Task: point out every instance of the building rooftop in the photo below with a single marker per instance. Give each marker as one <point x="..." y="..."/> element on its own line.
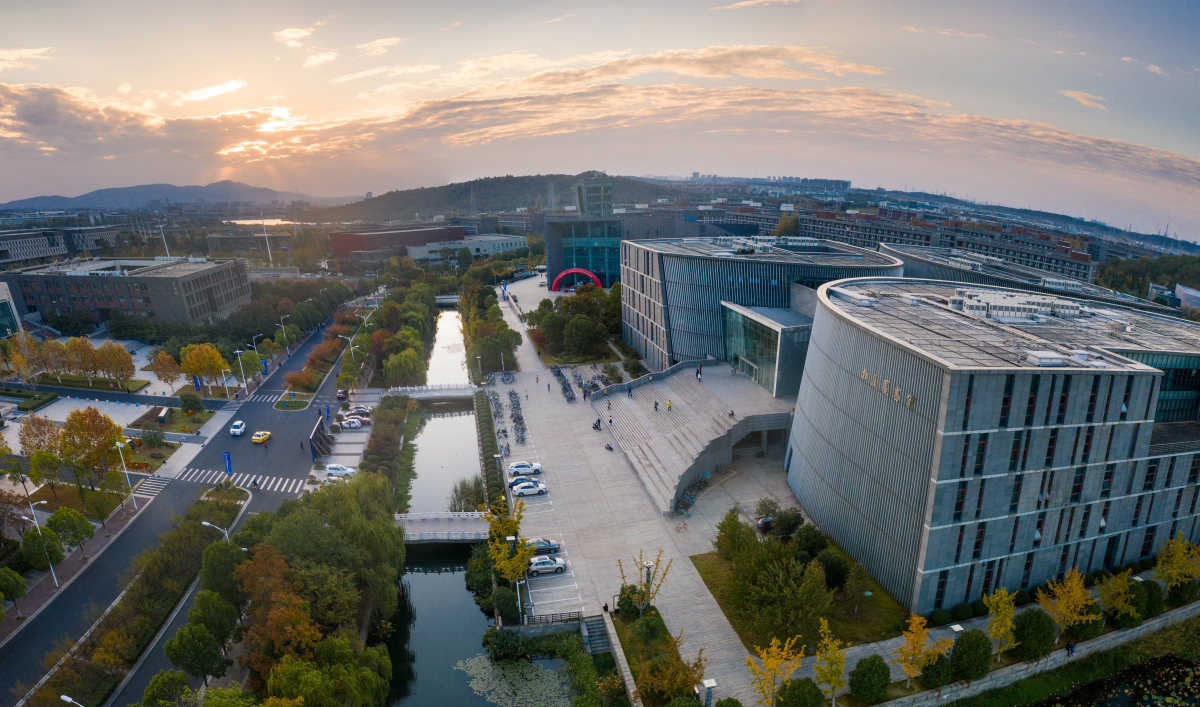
<point x="798" y="251"/>
<point x="978" y="326"/>
<point x="774" y="317"/>
<point x="140" y="267"/>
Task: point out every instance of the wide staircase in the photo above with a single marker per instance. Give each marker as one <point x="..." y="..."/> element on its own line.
<point x="663" y="446"/>
<point x="597" y="635"/>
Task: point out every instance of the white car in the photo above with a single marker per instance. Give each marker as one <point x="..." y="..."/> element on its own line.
<point x="524" y="468"/>
<point x="362" y="421"/>
<point x="338" y="470"/>
<point x="237" y="429"/>
<point x="351" y="424"/>
<point x="530" y="488"/>
<point x="544" y="564"/>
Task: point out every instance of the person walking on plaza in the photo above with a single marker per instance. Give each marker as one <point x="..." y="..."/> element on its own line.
<point x="655" y="406"/>
<point x="668" y="406"/>
<point x="610" y="405"/>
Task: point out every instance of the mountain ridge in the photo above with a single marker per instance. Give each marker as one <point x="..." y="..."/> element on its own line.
<point x="137" y="196"/>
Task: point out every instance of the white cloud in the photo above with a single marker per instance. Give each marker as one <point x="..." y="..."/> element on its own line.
<point x="291" y="36"/>
<point x="203" y="94"/>
<point x="753" y="3"/>
<point x="452" y="25"/>
<point x="319" y="58"/>
<point x="1127" y="59"/>
<point x="557" y="19"/>
<point x="20" y="58"/>
<point x="387" y="70"/>
<point x="1155" y="69"/>
<point x="124" y="89"/>
<point x="378" y="47"/>
<point x="1084" y="98"/>
<point x="945" y="32"/>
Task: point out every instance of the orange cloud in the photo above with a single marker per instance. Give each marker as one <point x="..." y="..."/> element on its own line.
<point x="1089" y="100"/>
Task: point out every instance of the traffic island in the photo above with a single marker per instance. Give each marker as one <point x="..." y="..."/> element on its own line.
<point x="292" y="400"/>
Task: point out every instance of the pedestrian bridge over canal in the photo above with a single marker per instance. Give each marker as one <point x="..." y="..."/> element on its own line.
<point x="448" y="527"/>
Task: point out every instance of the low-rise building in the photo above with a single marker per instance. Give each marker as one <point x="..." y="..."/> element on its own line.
<point x="481" y="246"/>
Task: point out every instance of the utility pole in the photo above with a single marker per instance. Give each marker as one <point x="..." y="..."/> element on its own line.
<point x="164" y="240"/>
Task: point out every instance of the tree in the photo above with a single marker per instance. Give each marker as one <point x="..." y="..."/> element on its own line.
<point x="89" y="439"/>
<point x="971" y="655"/>
<point x="39" y="433"/>
<point x="43" y="470"/>
<point x="788" y="227"/>
<point x="1068" y="602"/>
<point x="937" y="674"/>
<point x="830" y="668"/>
<point x="166" y="368"/>
<point x="649" y="579"/>
<point x="195" y="650"/>
<point x="856" y="583"/>
<point x="916" y="652"/>
<point x="870" y="679"/>
<point x="217" y="571"/>
<point x="733" y="536"/>
<point x="72" y="527"/>
<point x="215" y="614"/>
<point x="54" y="358"/>
<point x="814" y="600"/>
<point x="41" y="548"/>
<point x="1116" y="596"/>
<point x="114" y="650"/>
<point x="12" y="507"/>
<point x="168" y="688"/>
<point x="1001" y="606"/>
<point x="19" y="365"/>
<point x="115" y="362"/>
<point x="775" y="664"/>
<point x="404" y="368"/>
<point x="12" y="467"/>
<point x="836" y="568"/>
<point x="189" y="402"/>
<point x="81" y="357"/>
<point x="668" y="675"/>
<point x="581" y="336"/>
<point x="552" y="326"/>
<point x="1178" y="562"/>
<point x="800" y="693"/>
<point x="202" y="361"/>
<point x="12" y="586"/>
<point x="1034" y="631"/>
<point x="510" y="560"/>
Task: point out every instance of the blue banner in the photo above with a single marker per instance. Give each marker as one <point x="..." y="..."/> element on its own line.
<point x="196" y="382"/>
<point x="228" y="465"/>
<point x="263" y="361"/>
<point x="327" y="414"/>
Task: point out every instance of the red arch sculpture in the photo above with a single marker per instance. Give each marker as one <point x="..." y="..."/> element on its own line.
<point x="575" y="271"/>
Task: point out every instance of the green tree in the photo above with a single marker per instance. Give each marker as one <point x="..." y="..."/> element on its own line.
<point x="857" y="582"/>
<point x="552" y="326"/>
<point x="216" y="571"/>
<point x="581" y="336"/>
<point x="404" y="368"/>
<point x="464" y="256"/>
<point x="800" y="693"/>
<point x="937" y="674"/>
<point x="233" y="696"/>
<point x="870" y="679"/>
<point x="190" y="402"/>
<point x="196" y="651"/>
<point x="733" y="536"/>
<point x="37" y="545"/>
<point x="971" y="655"/>
<point x="43" y="470"/>
<point x="814" y="600"/>
<point x="837" y="567"/>
<point x="12" y="586"/>
<point x="168" y="688"/>
<point x="72" y="527"/>
<point x="215" y="614"/>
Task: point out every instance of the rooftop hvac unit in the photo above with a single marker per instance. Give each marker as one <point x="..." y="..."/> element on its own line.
<point x="1045" y="358"/>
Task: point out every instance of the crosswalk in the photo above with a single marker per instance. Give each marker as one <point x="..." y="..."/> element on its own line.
<point x="265" y="397"/>
<point x="151" y="486"/>
<point x="265" y="483"/>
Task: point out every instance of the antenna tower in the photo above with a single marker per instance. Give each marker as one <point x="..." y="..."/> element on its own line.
<point x="474" y="206"/>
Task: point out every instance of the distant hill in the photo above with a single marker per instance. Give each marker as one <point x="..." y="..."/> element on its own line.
<point x="491" y="194"/>
<point x="138" y="196"/>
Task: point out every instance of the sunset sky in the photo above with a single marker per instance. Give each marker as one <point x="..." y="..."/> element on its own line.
<point x="1086" y="108"/>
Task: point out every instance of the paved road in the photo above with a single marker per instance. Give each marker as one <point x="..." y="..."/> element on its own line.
<point x="110" y="396"/>
<point x="99" y="584"/>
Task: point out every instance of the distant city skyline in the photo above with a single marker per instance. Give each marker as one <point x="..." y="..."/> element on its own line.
<point x="1083" y="108"/>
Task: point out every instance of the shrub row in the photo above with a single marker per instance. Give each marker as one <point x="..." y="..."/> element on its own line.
<point x="487" y="446"/>
<point x="396" y="419"/>
<point x="31" y="404"/>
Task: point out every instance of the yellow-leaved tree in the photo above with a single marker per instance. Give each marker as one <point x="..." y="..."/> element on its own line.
<point x="917" y="653"/>
<point x="1001" y="606"/>
<point x="1178" y="562"/>
<point x="648" y="580"/>
<point x="509" y="558"/>
<point x="1068" y="602"/>
<point x="1116" y="596"/>
<point x="830" y="668"/>
<point x="775" y="664"/>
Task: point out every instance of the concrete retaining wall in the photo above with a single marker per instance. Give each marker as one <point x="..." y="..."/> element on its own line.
<point x="548" y="629"/>
<point x="622" y="664"/>
<point x="1020" y="671"/>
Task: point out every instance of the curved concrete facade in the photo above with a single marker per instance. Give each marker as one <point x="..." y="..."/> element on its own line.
<point x="953" y="444"/>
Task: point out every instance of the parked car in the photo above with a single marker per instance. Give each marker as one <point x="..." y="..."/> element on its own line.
<point x="521" y="480"/>
<point x="544" y="564"/>
<point x="343" y="394"/>
<point x="339" y="470"/>
<point x="359" y="411"/>
<point x="542" y="546"/>
<point x="529" y="488"/>
<point x="362" y="421"/>
<point x="523" y="467"/>
<point x="351" y="424"/>
<point x="260" y="437"/>
<point x="237" y="429"/>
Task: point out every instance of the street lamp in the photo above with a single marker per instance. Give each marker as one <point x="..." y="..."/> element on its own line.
<point x="43" y="539"/>
<point x="120" y="445"/>
<point x="283" y="331"/>
<point x="479" y="361"/>
<point x="217" y="527"/>
<point x="254" y="344"/>
<point x="68" y="700"/>
<point x="225" y="380"/>
<point x="241" y="367"/>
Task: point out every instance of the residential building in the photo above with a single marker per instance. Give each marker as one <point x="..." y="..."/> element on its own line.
<point x="481" y="246"/>
<point x="594" y="196"/>
<point x="167" y="289"/>
<point x="958" y="438"/>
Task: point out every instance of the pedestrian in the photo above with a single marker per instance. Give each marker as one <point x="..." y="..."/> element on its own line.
<point x="547" y="387"/>
<point x="610" y="422"/>
<point x="606" y="607"/>
<point x="668" y="406"/>
<point x="610" y="405"/>
<point x="655" y="406"/>
<point x="629" y="391"/>
<point x="302" y="445"/>
<point x="699" y="377"/>
<point x="538" y="379"/>
<point x="527" y="395"/>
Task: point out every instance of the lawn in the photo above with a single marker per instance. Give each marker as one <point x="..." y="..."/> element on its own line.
<point x="288" y="402"/>
<point x="67" y="496"/>
<point x="606" y="356"/>
<point x="638" y="652"/>
<point x="210" y="391"/>
<point x="185" y="424"/>
<point x="879" y="615"/>
<point x="152" y="457"/>
<point x="129" y="386"/>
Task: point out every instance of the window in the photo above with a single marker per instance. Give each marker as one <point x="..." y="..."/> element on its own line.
<point x="1062" y="399"/>
<point x="1137" y="510"/>
<point x="1148" y="542"/>
<point x="1016" y="494"/>
<point x="1087" y="444"/>
<point x="1037" y="530"/>
<point x="939" y="596"/>
<point x="967" y="402"/>
<point x="1025" y="573"/>
<point x="978" y="549"/>
<point x="1151" y="476"/>
<point x="1091" y="411"/>
<point x="1050" y="445"/>
<point x="1178" y="500"/>
<point x="1006" y="401"/>
<point x="1125" y="398"/>
<point x="1077" y="485"/>
<point x="987" y="576"/>
<point x="1106" y="484"/>
<point x="1012" y="541"/>
<point x="1032" y="400"/>
<point x="979" y="499"/>
<point x="958" y="548"/>
<point x="960" y="499"/>
<point x="970" y="580"/>
<point x="980" y="453"/>
<point x="1194" y="471"/>
<point x="1170" y="472"/>
<point x="1015" y="455"/>
<point x="1083" y="523"/>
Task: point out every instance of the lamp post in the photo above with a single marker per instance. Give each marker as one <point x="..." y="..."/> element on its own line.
<point x="241" y="367"/>
<point x="120" y="445"/>
<point x="283" y="331"/>
<point x="216" y="527"/>
<point x="33" y="519"/>
<point x="479" y="361"/>
<point x="68" y="700"/>
<point x="254" y="342"/>
<point x="499" y="467"/>
<point x="225" y="380"/>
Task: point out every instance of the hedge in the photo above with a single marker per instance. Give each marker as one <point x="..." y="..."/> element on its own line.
<point x="487" y="446"/>
<point x="31" y="404"/>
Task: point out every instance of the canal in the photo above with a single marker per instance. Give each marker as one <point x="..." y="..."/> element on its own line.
<point x="437" y="657"/>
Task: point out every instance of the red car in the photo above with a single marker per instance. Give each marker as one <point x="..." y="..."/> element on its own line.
<point x="343" y="394"/>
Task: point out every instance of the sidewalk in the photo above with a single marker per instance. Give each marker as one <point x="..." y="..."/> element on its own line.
<point x="41" y="589"/>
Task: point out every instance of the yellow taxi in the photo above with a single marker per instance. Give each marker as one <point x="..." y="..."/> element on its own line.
<point x="260" y="437"/>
